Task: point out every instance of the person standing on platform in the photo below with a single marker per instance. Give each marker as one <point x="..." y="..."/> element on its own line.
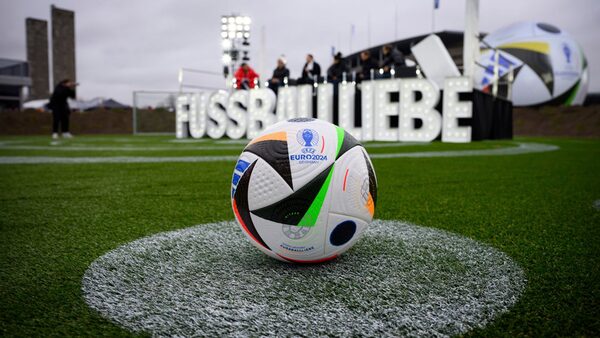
<point x="245" y="77"/>
<point x="279" y="74"/>
<point x="367" y="64"/>
<point x="60" y="107"/>
<point x="337" y="69"/>
<point x="311" y="72"/>
<point x="392" y="59"/>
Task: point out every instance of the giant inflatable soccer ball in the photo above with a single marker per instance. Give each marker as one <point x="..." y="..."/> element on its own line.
<point x="304" y="191"/>
<point x="549" y="65"/>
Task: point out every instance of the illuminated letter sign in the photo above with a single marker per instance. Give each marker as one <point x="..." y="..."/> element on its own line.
<point x="247" y="113"/>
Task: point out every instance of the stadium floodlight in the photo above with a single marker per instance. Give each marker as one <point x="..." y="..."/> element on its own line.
<point x="235" y="32"/>
<point x="235" y="24"/>
<point x="235" y="27"/>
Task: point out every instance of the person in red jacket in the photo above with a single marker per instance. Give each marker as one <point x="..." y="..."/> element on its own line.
<point x="245" y="77"/>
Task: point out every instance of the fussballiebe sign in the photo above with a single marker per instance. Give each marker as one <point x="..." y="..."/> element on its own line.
<point x="245" y="113"/>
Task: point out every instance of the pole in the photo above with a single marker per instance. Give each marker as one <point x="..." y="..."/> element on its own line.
<point x="134" y="113"/>
<point x="510" y="79"/>
<point x="471" y="38"/>
<point x="263" y="50"/>
<point x="351" y="36"/>
<point x="369" y="30"/>
<point x="433" y="18"/>
<point x="496" y="73"/>
<point x="396" y="22"/>
<point x="180" y="79"/>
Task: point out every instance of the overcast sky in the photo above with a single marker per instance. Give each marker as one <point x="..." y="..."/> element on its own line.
<point x="123" y="46"/>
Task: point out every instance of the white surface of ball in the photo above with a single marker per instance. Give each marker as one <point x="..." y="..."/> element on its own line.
<point x="304" y="191"/>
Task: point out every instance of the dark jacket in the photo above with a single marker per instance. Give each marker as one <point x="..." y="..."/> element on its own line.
<point x="393" y="59"/>
<point x="316" y="71"/>
<point x="280" y="73"/>
<point x="366" y="67"/>
<point x="335" y="71"/>
<point x="58" y="101"/>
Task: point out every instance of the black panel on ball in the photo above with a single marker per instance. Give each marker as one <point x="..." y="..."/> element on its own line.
<point x="301" y="119"/>
<point x="275" y="153"/>
<point x="241" y="201"/>
<point x="291" y="209"/>
<point x="348" y="143"/>
<point x="342" y="233"/>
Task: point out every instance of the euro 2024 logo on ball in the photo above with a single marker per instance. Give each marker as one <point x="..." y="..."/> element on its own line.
<point x="309" y="140"/>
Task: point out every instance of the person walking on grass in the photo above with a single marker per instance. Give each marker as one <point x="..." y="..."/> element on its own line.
<point x="60" y="107"/>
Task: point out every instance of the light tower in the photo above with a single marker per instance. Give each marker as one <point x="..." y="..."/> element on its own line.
<point x="235" y="43"/>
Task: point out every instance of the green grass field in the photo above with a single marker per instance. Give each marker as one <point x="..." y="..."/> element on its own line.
<point x="56" y="219"/>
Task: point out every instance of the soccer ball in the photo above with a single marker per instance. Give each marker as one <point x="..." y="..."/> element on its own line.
<point x="304" y="191"/>
<point x="549" y="66"/>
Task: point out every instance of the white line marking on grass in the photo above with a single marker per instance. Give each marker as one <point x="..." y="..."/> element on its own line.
<point x="111" y="159"/>
<point x="597" y="204"/>
<point x="242" y="141"/>
<point x="187" y="140"/>
<point x="395" y="144"/>
<point x="63" y="147"/>
<point x="9" y="143"/>
<point x="369" y="145"/>
<point x="193" y="140"/>
<point x="522" y="148"/>
<point x="219" y="145"/>
<point x="398" y="280"/>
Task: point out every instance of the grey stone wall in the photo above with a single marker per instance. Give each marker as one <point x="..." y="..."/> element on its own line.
<point x="37" y="56"/>
<point x="63" y="44"/>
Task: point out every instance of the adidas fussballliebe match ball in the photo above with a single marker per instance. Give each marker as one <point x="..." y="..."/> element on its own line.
<point x="304" y="191"/>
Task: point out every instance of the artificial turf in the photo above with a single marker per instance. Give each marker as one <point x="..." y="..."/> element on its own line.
<point x="55" y="219"/>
